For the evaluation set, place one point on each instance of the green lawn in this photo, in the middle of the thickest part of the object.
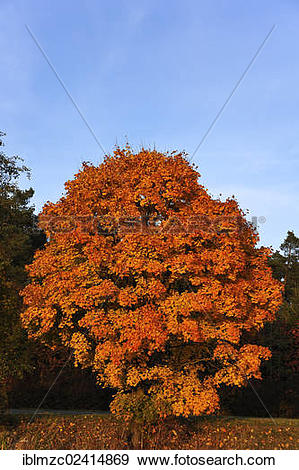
(104, 432)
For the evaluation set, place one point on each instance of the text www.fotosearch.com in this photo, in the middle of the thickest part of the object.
(119, 459)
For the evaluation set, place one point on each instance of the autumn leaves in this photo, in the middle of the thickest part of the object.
(145, 308)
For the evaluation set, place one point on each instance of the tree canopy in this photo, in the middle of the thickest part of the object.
(19, 237)
(151, 282)
(283, 338)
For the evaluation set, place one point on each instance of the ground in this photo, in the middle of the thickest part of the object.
(105, 432)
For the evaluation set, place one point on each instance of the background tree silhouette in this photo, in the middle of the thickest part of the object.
(19, 237)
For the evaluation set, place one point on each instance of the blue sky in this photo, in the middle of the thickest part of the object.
(157, 72)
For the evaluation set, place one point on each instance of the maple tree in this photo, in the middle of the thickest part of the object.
(151, 282)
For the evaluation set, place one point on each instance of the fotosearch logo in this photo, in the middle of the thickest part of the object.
(175, 224)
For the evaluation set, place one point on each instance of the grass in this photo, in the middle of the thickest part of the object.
(105, 432)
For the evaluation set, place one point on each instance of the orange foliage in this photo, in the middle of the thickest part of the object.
(152, 282)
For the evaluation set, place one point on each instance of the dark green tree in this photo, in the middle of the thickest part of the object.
(284, 333)
(19, 237)
(285, 267)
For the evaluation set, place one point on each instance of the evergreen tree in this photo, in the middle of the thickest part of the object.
(19, 237)
(285, 331)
